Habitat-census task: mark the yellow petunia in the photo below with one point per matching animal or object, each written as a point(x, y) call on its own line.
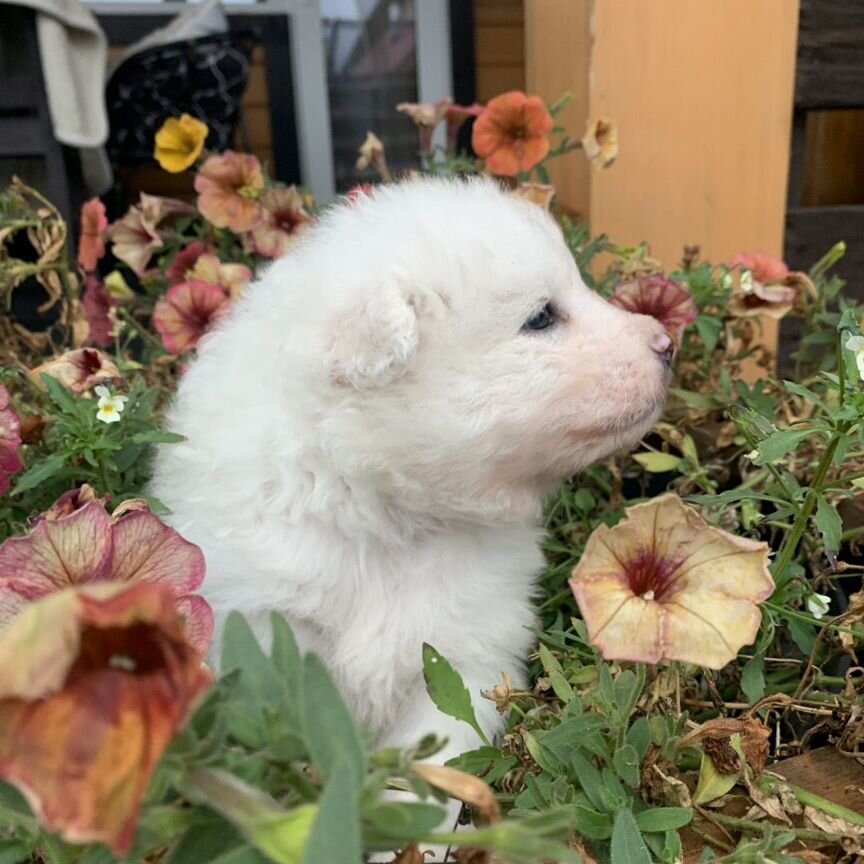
point(179, 143)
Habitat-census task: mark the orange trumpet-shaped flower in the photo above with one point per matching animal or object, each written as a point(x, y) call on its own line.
point(179, 142)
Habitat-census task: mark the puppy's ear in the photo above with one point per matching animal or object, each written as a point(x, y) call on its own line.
point(373, 344)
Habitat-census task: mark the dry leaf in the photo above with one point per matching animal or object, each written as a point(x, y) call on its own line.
point(466, 787)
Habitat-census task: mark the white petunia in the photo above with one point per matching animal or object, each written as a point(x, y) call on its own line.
point(855, 344)
point(110, 407)
point(818, 605)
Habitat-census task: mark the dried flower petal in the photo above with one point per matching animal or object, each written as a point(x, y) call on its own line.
point(78, 370)
point(10, 442)
point(600, 142)
point(540, 194)
point(664, 584)
point(94, 684)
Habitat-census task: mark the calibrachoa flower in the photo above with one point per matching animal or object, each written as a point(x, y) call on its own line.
point(97, 304)
point(764, 268)
point(186, 311)
point(78, 370)
point(77, 542)
point(94, 224)
point(10, 442)
point(95, 681)
point(135, 237)
point(664, 299)
point(185, 260)
point(109, 408)
point(228, 188)
point(283, 219)
point(512, 133)
point(426, 115)
point(232, 277)
point(663, 584)
point(179, 142)
point(750, 297)
point(600, 142)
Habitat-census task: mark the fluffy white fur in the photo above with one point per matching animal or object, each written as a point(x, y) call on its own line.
point(371, 433)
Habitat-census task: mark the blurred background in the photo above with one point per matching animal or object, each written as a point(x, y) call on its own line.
point(741, 123)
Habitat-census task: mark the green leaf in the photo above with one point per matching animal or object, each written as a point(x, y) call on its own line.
point(590, 780)
point(60, 396)
point(626, 762)
point(657, 463)
point(446, 689)
point(627, 846)
point(828, 522)
point(15, 852)
point(639, 735)
point(404, 821)
point(207, 842)
point(156, 436)
point(335, 836)
point(712, 784)
point(39, 473)
point(778, 444)
point(660, 819)
point(753, 679)
point(592, 824)
point(709, 329)
point(561, 686)
point(542, 755)
point(330, 731)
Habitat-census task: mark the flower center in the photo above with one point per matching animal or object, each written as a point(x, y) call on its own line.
point(650, 574)
point(251, 193)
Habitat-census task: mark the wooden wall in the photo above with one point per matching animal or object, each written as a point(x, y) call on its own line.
point(499, 46)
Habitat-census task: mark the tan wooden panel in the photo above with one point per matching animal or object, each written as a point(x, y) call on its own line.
point(258, 127)
point(492, 80)
point(834, 158)
point(702, 94)
point(497, 46)
point(498, 12)
point(256, 88)
point(557, 54)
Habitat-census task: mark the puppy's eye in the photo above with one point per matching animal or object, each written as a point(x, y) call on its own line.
point(542, 319)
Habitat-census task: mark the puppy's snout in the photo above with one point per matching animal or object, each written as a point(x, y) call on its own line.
point(662, 344)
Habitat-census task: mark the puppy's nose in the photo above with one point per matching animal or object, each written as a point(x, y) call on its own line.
point(663, 345)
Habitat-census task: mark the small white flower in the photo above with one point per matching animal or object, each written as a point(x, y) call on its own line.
point(110, 407)
point(855, 344)
point(753, 455)
point(818, 605)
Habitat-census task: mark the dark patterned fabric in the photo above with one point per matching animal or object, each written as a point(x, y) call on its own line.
point(205, 78)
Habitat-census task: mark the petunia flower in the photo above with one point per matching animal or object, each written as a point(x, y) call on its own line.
point(228, 187)
point(426, 116)
point(818, 605)
point(664, 299)
point(512, 133)
point(764, 268)
point(109, 408)
point(232, 277)
point(600, 142)
point(455, 118)
point(179, 143)
point(76, 542)
point(135, 238)
point(186, 312)
point(94, 224)
point(540, 194)
point(95, 681)
point(750, 297)
point(185, 260)
point(98, 303)
point(283, 220)
point(663, 584)
point(78, 370)
point(10, 442)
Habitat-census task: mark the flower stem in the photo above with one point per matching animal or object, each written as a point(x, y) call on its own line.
point(790, 546)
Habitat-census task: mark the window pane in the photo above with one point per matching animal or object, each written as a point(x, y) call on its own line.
point(370, 49)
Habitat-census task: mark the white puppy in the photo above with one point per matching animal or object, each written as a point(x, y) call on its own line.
point(372, 430)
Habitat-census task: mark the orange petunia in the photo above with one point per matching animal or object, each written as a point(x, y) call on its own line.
point(179, 143)
point(512, 134)
point(228, 188)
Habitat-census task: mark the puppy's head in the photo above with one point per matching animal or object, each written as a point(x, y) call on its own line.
point(466, 366)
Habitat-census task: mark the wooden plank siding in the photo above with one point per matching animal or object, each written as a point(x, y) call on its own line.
point(499, 46)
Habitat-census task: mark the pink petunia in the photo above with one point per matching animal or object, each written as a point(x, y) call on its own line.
point(10, 442)
point(664, 299)
point(187, 311)
point(97, 304)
